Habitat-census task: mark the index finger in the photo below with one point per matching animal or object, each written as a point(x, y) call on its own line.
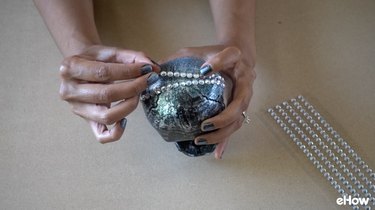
point(95, 71)
point(116, 55)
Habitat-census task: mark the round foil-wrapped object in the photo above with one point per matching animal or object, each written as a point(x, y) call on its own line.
point(181, 100)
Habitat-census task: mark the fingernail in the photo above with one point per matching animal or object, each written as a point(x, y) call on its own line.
point(147, 68)
point(201, 142)
point(205, 69)
point(152, 78)
point(208, 127)
point(123, 123)
point(155, 63)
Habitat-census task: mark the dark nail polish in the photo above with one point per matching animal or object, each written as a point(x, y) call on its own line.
point(201, 142)
point(208, 127)
point(152, 78)
point(147, 68)
point(205, 69)
point(123, 123)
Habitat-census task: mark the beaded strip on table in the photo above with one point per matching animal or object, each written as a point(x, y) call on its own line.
point(190, 80)
point(326, 149)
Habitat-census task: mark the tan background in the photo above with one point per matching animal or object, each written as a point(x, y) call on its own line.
point(50, 160)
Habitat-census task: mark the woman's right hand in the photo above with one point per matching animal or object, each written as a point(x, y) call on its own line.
point(94, 79)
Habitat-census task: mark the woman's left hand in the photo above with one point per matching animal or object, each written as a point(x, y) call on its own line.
point(228, 60)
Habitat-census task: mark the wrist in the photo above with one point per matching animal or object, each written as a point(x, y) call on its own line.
point(77, 46)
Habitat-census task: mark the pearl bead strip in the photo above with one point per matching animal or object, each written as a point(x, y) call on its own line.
point(188, 75)
point(312, 146)
point(341, 142)
point(331, 154)
point(288, 125)
point(211, 80)
point(301, 119)
point(340, 151)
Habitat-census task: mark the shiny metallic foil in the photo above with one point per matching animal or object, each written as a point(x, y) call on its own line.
point(177, 105)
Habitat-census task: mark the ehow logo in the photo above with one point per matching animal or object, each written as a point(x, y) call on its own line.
point(352, 201)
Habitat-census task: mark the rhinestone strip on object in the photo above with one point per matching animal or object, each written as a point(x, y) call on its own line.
point(335, 159)
point(191, 80)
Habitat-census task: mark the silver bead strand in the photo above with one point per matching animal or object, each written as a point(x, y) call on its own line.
point(307, 152)
point(321, 154)
point(325, 148)
point(193, 81)
point(337, 142)
point(346, 147)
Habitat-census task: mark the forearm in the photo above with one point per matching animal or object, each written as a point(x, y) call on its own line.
point(71, 23)
point(235, 24)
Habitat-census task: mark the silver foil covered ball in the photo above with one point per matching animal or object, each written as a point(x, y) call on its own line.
point(181, 100)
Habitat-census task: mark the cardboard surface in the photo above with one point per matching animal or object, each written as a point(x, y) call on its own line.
point(49, 158)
